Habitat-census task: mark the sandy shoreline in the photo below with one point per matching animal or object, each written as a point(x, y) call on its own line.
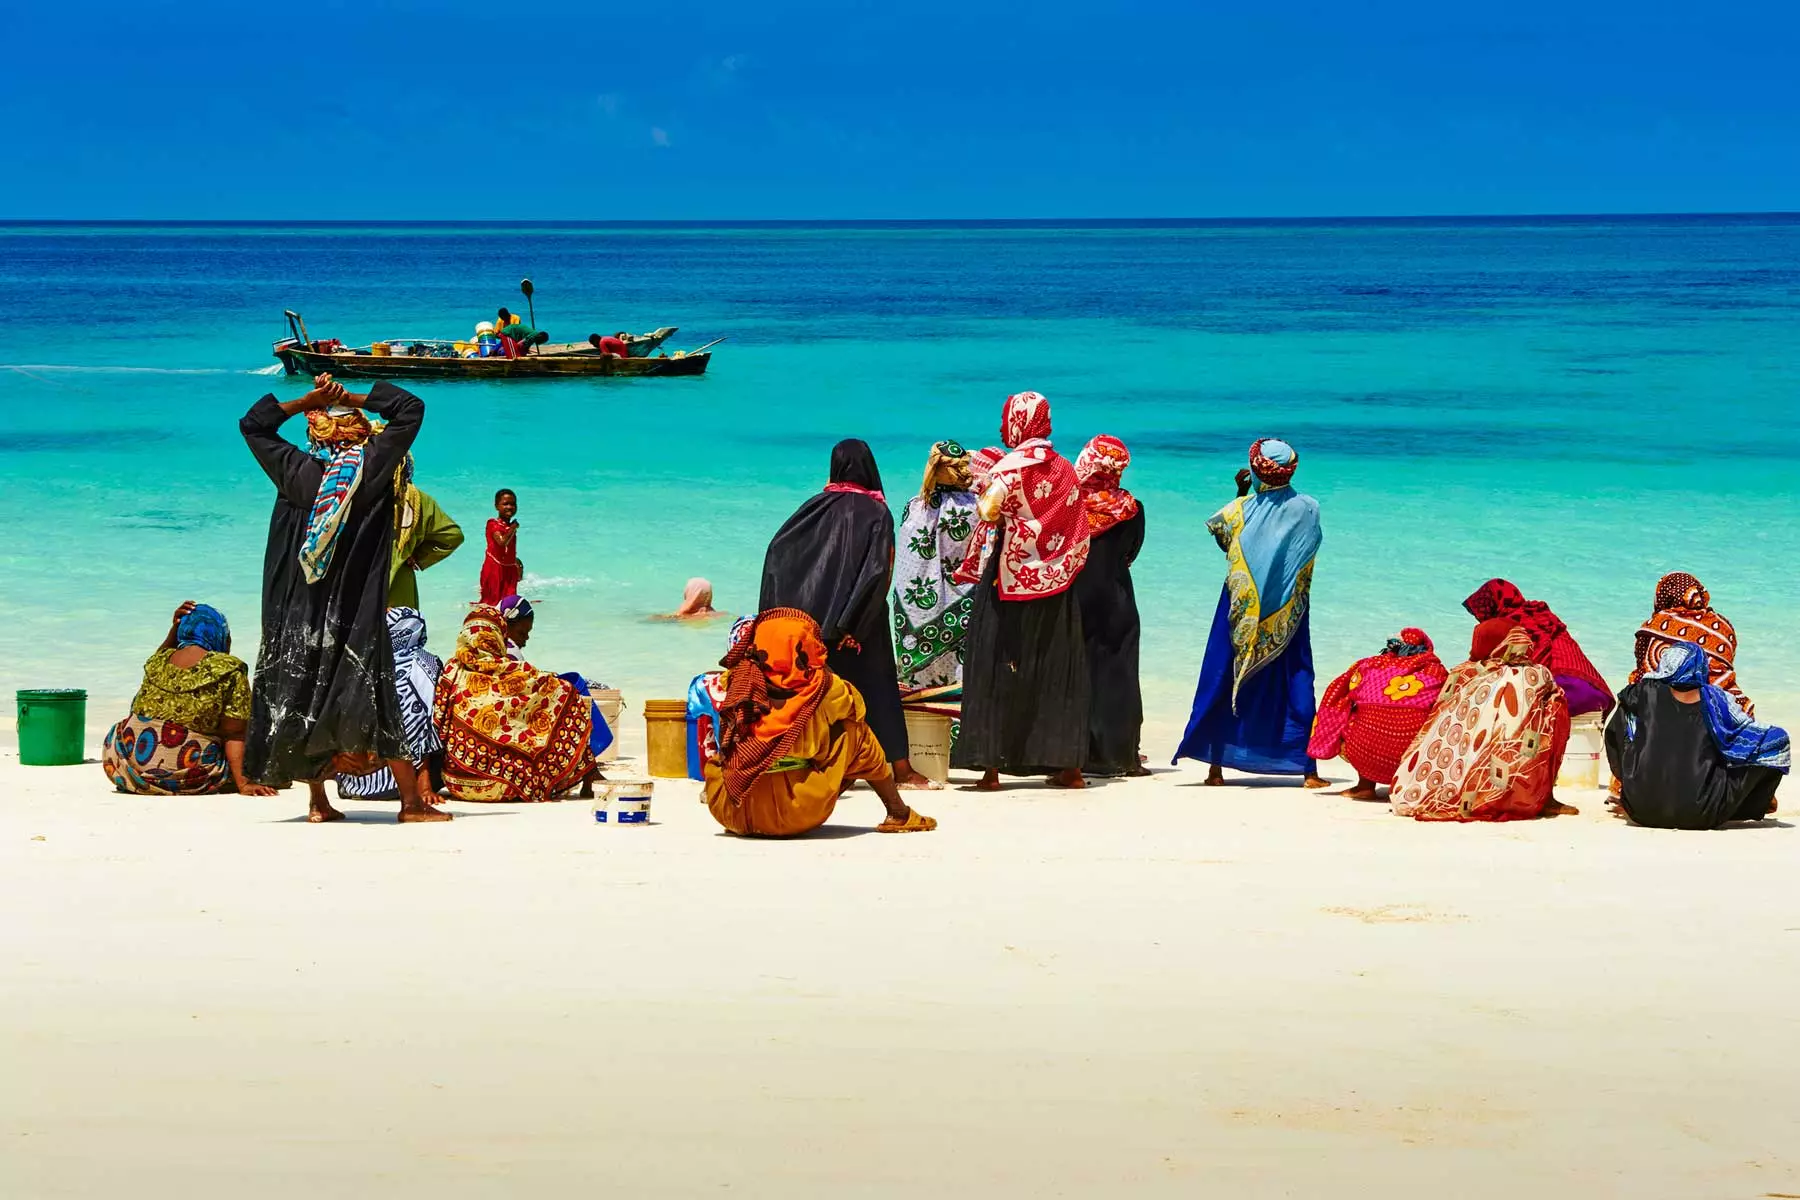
point(1251, 991)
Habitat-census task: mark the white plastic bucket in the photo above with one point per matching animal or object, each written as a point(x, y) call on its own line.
point(612, 704)
point(928, 742)
point(623, 801)
point(1584, 762)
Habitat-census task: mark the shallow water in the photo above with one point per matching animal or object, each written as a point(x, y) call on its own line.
point(1579, 405)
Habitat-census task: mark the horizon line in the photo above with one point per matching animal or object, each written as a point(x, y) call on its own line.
point(860, 222)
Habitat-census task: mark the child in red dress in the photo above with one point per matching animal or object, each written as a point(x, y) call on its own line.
point(501, 570)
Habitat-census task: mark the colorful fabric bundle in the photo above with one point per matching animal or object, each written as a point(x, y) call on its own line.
point(148, 756)
point(1045, 527)
point(1371, 713)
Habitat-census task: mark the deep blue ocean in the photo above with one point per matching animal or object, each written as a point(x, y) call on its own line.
point(1577, 404)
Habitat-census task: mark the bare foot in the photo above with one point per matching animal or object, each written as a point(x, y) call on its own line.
point(1358, 792)
point(420, 816)
point(1315, 781)
point(989, 783)
point(322, 812)
point(1215, 777)
point(1140, 772)
point(913, 781)
point(1556, 808)
point(1070, 778)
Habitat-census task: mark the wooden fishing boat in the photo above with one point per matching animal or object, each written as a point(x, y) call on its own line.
point(437, 358)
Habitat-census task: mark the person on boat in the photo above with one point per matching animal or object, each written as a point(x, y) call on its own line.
point(696, 603)
point(1025, 671)
point(521, 336)
point(1371, 713)
point(611, 345)
point(424, 535)
point(511, 732)
point(1552, 644)
point(931, 610)
point(793, 736)
point(834, 559)
point(1253, 709)
point(184, 735)
point(1109, 612)
point(416, 672)
point(1493, 743)
point(1686, 754)
point(501, 570)
point(325, 671)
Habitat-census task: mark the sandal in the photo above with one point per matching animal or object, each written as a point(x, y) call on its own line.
point(916, 822)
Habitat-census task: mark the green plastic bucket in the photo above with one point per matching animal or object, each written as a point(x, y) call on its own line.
point(52, 726)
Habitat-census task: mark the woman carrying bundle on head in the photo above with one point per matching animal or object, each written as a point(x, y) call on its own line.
point(1025, 672)
point(1253, 710)
point(1371, 713)
point(793, 736)
point(931, 608)
point(1109, 612)
point(834, 561)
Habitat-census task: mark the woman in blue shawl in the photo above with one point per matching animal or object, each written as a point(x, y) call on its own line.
point(1253, 710)
point(1685, 753)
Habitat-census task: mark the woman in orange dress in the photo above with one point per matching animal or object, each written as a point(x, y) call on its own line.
point(793, 736)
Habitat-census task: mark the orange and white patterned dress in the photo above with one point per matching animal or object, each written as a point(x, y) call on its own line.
point(1491, 747)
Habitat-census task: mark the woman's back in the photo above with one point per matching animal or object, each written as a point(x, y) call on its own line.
point(201, 696)
point(1671, 772)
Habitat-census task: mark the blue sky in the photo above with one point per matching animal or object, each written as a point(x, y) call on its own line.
point(918, 110)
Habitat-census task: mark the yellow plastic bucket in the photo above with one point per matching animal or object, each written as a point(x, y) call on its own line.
point(665, 733)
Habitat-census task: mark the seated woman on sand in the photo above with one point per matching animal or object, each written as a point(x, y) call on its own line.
point(519, 617)
point(185, 733)
point(696, 603)
point(1552, 645)
point(1493, 743)
point(1686, 754)
point(1371, 713)
point(511, 732)
point(793, 736)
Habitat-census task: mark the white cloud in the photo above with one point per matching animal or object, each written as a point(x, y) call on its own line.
point(659, 135)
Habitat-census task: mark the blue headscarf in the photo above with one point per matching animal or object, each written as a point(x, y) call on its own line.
point(1741, 740)
point(206, 628)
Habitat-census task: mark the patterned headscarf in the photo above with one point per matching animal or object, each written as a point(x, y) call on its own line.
point(1098, 468)
point(1273, 462)
point(337, 437)
point(776, 680)
point(1740, 739)
point(1410, 642)
point(946, 466)
point(204, 627)
point(1681, 590)
point(981, 540)
point(516, 608)
point(1025, 418)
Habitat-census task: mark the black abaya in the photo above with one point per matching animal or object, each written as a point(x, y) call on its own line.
point(325, 671)
point(1025, 683)
point(1110, 628)
point(833, 561)
point(1670, 771)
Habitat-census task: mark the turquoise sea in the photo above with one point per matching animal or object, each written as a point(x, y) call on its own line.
point(1579, 404)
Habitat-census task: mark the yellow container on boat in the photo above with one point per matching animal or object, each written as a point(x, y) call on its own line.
point(379, 349)
point(1584, 762)
point(464, 347)
point(612, 704)
point(928, 738)
point(665, 734)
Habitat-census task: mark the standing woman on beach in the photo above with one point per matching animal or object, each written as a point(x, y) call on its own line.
point(1253, 710)
point(1025, 674)
point(931, 609)
point(834, 560)
point(501, 569)
point(324, 686)
point(1109, 612)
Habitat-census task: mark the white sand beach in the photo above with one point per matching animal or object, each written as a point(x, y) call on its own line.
point(1152, 988)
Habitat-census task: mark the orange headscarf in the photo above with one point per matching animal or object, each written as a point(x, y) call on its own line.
point(775, 679)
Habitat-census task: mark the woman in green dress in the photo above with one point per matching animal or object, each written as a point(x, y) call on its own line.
point(185, 734)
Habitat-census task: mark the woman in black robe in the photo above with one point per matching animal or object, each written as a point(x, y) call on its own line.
point(833, 560)
point(324, 686)
point(1109, 612)
point(1684, 752)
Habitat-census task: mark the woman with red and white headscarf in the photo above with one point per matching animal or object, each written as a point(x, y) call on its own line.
point(1025, 673)
point(1253, 710)
point(1109, 612)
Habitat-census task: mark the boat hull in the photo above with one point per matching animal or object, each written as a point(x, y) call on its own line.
point(529, 366)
